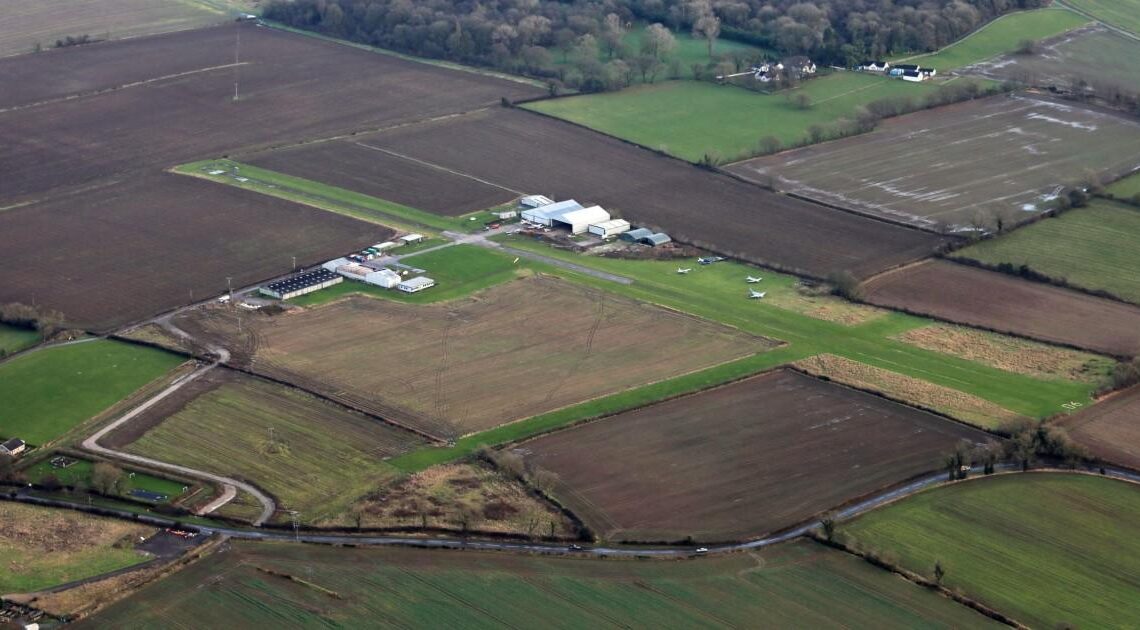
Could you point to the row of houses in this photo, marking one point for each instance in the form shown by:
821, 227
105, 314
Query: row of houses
904, 71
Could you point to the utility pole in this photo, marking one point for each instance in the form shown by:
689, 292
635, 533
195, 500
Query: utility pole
230, 288
294, 264
296, 533
237, 66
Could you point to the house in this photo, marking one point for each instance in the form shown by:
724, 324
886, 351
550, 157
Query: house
797, 66
875, 66
13, 447
927, 72
415, 285
913, 76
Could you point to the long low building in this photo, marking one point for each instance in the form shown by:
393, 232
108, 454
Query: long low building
568, 214
613, 227
380, 277
300, 284
415, 285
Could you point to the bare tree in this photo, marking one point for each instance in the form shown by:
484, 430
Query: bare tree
658, 42
105, 477
707, 27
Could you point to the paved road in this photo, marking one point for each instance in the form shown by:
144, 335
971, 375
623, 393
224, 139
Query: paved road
229, 485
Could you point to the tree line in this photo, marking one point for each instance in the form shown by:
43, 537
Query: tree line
583, 43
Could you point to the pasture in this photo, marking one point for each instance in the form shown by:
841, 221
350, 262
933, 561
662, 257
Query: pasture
14, 339
49, 392
739, 461
312, 456
1109, 429
445, 368
43, 547
42, 22
1126, 188
1046, 549
80, 473
689, 119
1000, 36
1123, 14
1093, 248
988, 299
800, 583
964, 166
649, 189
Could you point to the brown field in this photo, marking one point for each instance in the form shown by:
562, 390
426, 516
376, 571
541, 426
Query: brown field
44, 21
158, 241
510, 352
524, 151
1111, 428
88, 129
350, 165
735, 462
962, 166
976, 297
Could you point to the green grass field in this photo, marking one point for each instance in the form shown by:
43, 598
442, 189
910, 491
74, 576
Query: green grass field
312, 456
1123, 14
689, 119
81, 471
13, 339
1093, 247
1046, 549
1126, 188
796, 585
458, 270
689, 51
50, 391
999, 37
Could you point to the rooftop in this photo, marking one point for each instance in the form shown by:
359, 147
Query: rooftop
302, 280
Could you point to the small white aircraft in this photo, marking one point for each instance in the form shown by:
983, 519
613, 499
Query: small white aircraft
684, 270
756, 295
751, 280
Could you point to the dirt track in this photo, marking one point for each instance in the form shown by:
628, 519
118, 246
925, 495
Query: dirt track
1001, 302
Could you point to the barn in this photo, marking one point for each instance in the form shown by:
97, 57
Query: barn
609, 228
300, 284
380, 277
415, 285
13, 447
567, 214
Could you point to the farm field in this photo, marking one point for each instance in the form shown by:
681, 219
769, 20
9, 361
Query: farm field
1046, 549
1092, 247
443, 368
1127, 188
688, 119
50, 391
800, 583
312, 456
130, 260
964, 166
1124, 14
739, 461
1092, 54
1110, 429
44, 547
43, 22
1000, 36
14, 339
976, 297
649, 189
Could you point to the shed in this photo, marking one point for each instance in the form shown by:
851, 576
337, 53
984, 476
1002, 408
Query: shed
408, 239
386, 245
609, 228
13, 447
542, 215
636, 235
384, 278
415, 285
534, 201
657, 238
300, 284
913, 76
336, 262
507, 214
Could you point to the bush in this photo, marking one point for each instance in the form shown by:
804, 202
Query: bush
845, 285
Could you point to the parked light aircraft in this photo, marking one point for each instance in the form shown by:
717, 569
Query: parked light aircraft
751, 280
756, 295
684, 270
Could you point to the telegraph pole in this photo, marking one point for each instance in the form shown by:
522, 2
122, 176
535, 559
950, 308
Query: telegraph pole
237, 55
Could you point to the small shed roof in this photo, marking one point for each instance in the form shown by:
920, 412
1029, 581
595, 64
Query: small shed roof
13, 444
611, 224
637, 234
534, 201
658, 238
421, 281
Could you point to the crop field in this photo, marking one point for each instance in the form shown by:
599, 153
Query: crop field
444, 368
649, 189
1109, 429
688, 119
963, 166
742, 460
1047, 549
44, 547
13, 339
44, 21
314, 457
354, 165
1092, 247
976, 297
1123, 14
1092, 54
50, 391
1001, 36
147, 104
799, 584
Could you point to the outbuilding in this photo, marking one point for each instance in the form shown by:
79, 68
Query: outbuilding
567, 214
408, 239
13, 447
300, 284
380, 277
535, 201
636, 235
415, 285
606, 229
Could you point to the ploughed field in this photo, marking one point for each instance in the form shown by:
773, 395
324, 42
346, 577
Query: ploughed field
87, 131
527, 152
1005, 303
1111, 428
798, 584
745, 459
960, 166
513, 351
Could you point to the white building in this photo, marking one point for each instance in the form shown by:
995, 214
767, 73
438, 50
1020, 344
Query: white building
415, 285
380, 277
385, 246
408, 239
300, 284
534, 201
332, 265
568, 214
613, 227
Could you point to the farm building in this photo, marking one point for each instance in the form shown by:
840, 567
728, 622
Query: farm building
797, 66
380, 277
300, 284
917, 75
609, 228
333, 264
569, 214
385, 246
899, 69
415, 285
875, 66
535, 201
507, 214
13, 447
408, 239
646, 236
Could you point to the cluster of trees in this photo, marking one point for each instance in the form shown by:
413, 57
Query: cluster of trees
583, 43
47, 322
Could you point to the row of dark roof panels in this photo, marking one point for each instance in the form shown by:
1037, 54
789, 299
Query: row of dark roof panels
302, 280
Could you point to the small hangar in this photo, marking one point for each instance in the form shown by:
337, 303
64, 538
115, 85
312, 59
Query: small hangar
568, 214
